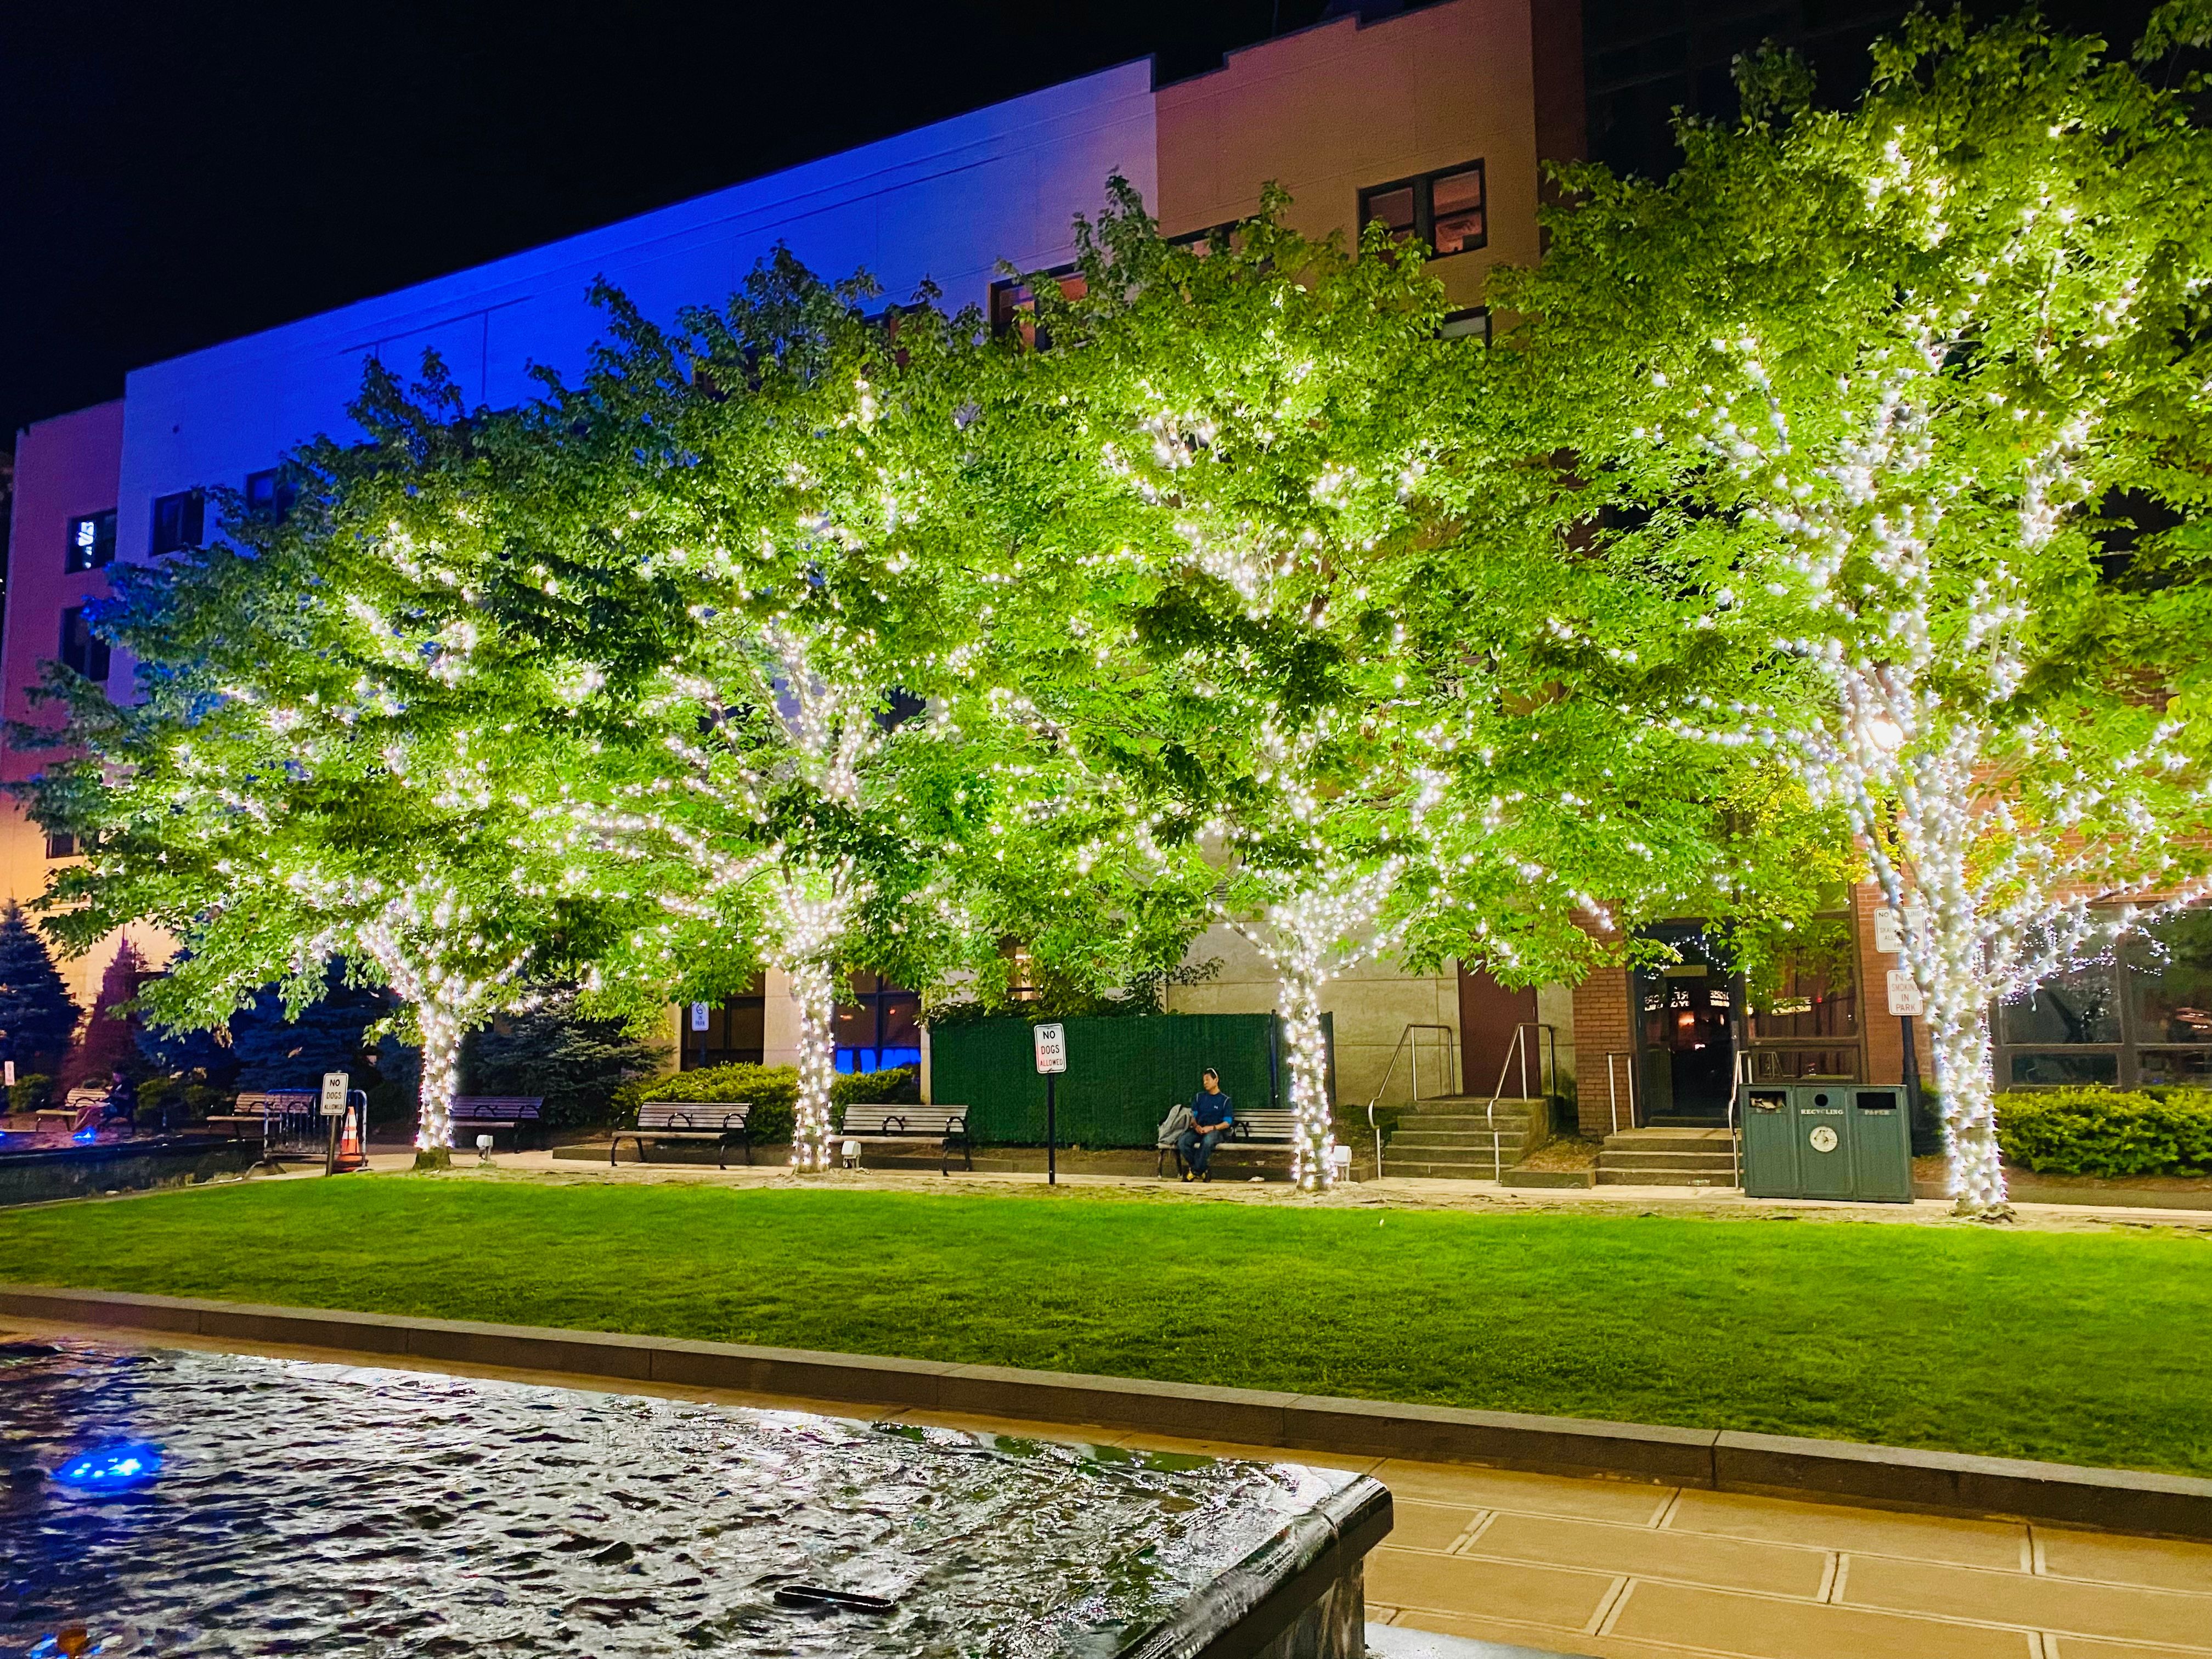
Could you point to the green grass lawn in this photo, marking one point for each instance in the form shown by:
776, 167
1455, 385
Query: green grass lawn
2082, 1347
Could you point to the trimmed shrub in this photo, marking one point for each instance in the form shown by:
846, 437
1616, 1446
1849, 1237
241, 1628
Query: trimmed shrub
2106, 1132
773, 1089
901, 1085
28, 1094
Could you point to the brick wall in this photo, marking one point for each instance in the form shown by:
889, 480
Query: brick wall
1601, 1028
1883, 1034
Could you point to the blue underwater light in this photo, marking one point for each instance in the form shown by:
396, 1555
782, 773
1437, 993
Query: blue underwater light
117, 1466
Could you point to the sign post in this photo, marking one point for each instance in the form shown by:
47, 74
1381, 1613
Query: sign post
1904, 1001
333, 1108
1051, 1061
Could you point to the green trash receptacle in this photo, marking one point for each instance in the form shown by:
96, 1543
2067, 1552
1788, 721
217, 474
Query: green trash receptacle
1881, 1145
1836, 1140
1770, 1145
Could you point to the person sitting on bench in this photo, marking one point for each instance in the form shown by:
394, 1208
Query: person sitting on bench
1211, 1116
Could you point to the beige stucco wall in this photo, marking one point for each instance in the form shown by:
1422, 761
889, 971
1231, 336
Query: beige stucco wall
1369, 1008
1334, 109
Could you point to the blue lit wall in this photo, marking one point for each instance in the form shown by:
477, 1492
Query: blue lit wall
946, 202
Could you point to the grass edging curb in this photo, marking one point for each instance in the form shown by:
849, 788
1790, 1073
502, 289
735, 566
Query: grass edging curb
1835, 1471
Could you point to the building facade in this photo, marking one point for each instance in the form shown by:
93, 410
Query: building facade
1424, 116
1435, 118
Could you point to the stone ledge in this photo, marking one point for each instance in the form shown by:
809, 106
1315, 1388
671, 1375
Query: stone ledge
1834, 1471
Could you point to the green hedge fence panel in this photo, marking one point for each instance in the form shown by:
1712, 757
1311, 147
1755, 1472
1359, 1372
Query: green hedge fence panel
1122, 1074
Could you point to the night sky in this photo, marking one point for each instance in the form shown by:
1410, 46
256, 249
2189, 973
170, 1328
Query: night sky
177, 173
174, 172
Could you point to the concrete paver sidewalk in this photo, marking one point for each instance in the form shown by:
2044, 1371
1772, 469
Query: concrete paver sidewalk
1390, 1192
1620, 1570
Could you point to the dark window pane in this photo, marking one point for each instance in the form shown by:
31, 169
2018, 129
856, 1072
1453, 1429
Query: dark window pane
91, 541
61, 846
1781, 1065
1393, 208
1457, 216
2176, 1068
179, 520
267, 493
2170, 977
1814, 993
2030, 1070
1468, 325
1013, 305
903, 1022
80, 651
2079, 1005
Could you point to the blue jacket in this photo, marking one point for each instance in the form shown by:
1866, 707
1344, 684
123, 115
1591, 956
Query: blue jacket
1210, 1111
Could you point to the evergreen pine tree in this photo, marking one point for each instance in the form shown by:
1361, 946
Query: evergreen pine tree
110, 1042
272, 1052
573, 1062
38, 1016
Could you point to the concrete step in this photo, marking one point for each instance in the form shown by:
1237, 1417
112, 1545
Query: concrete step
1451, 1105
1429, 1169
1425, 1136
1722, 1178
1664, 1159
1465, 1123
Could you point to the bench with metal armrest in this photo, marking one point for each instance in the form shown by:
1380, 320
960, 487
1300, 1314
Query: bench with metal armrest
891, 1126
720, 1122
486, 1114
254, 1110
1270, 1129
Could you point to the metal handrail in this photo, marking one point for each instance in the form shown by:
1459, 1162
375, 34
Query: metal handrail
1391, 1070
1739, 1075
1519, 1047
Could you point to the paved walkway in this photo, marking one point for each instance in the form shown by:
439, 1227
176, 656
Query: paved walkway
1393, 1192
1616, 1570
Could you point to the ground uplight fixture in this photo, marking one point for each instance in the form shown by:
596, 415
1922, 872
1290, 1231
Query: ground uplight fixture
1341, 1155
851, 1150
484, 1149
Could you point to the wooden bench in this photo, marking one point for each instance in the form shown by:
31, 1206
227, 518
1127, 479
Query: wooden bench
719, 1121
489, 1113
255, 1108
1269, 1129
894, 1126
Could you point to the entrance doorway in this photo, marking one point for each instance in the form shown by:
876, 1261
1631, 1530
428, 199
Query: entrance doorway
1685, 1030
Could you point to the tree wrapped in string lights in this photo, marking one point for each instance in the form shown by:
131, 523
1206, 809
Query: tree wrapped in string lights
1900, 412
1226, 441
743, 518
332, 753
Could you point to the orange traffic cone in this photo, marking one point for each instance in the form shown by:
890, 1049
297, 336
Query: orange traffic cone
351, 1155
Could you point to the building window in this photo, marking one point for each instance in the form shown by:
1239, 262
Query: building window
61, 846
1013, 305
1472, 324
179, 520
2141, 1020
80, 650
269, 493
1443, 210
1802, 1018
736, 1032
880, 1028
91, 541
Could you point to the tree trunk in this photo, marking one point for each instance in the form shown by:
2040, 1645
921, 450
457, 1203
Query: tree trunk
1961, 1035
441, 1080
1297, 1000
816, 989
